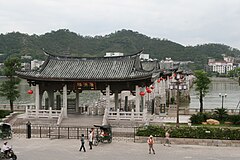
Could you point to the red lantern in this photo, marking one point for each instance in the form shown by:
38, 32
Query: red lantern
158, 80
30, 91
152, 87
142, 93
148, 90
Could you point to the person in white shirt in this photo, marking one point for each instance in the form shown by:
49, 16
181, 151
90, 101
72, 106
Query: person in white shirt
5, 147
90, 139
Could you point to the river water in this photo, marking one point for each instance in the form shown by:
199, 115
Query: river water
211, 100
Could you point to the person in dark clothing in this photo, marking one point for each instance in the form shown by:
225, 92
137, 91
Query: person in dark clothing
82, 144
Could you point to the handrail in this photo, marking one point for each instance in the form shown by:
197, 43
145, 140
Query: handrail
122, 115
34, 113
212, 110
16, 107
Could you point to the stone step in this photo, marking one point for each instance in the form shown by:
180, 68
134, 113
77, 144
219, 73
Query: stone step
125, 123
81, 120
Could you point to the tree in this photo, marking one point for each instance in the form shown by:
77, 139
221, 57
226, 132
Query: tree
202, 85
9, 88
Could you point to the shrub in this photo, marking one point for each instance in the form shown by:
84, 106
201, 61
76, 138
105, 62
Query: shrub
220, 114
192, 132
4, 113
235, 119
200, 117
151, 130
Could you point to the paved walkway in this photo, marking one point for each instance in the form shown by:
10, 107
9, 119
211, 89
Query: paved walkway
67, 149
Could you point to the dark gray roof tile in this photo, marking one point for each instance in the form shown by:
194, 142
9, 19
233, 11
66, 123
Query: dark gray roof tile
102, 68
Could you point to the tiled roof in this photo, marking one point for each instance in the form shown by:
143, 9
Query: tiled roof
62, 68
150, 65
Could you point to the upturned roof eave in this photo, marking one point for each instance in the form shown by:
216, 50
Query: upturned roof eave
86, 79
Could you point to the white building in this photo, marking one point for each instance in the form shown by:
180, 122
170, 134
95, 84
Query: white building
221, 67
36, 64
144, 56
113, 54
166, 64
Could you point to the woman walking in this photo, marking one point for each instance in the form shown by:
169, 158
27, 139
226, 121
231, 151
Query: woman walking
167, 139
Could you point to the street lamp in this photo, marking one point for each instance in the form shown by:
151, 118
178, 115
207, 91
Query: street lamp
222, 96
179, 86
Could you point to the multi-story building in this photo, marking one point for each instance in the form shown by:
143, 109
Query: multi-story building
223, 66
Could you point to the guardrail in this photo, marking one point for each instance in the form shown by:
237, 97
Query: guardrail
196, 110
53, 132
34, 113
120, 115
16, 107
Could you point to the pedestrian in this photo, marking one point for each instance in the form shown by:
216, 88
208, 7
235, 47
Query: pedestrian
150, 142
5, 148
82, 144
167, 139
90, 139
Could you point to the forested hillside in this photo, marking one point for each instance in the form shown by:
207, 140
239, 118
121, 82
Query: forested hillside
66, 42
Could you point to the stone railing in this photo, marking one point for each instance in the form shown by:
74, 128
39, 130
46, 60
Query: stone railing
196, 110
120, 115
16, 107
34, 113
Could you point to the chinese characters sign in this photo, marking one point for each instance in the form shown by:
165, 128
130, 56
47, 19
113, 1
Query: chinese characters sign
86, 85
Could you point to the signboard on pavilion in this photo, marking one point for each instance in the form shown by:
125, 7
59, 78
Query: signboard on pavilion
85, 85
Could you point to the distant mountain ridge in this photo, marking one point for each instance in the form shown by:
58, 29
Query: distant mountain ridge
64, 41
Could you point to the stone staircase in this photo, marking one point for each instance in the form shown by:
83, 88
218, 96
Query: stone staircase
79, 120
125, 123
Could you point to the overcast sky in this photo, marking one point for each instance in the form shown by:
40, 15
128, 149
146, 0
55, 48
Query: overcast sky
188, 22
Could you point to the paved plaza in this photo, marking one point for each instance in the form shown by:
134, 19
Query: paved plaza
119, 149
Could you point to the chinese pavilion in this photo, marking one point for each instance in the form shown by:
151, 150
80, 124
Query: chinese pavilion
110, 75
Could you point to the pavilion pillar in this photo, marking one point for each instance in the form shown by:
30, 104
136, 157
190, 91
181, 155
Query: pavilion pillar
116, 100
144, 100
51, 98
37, 99
58, 100
108, 97
40, 100
77, 101
163, 91
65, 101
137, 99
142, 107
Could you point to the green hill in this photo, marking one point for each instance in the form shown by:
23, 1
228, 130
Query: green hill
64, 41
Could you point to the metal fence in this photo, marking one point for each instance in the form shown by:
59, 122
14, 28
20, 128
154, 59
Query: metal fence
60, 132
52, 132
